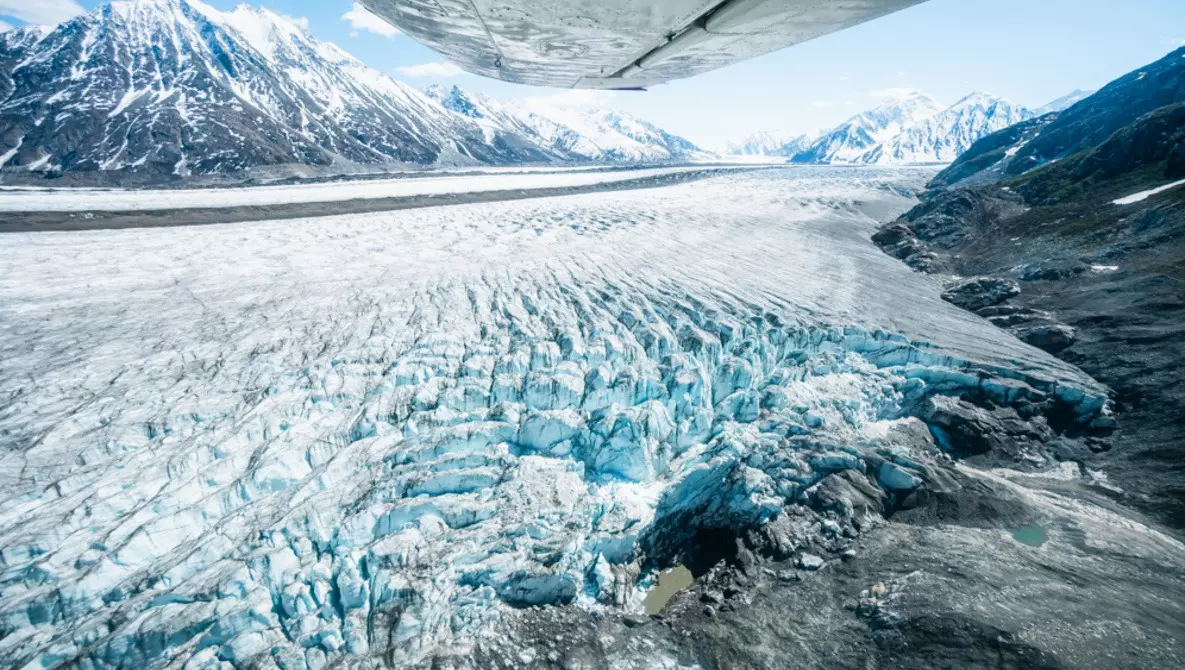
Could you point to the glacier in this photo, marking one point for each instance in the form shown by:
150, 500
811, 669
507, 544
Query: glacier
352, 441
50, 199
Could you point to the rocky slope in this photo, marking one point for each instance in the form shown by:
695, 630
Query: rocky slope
1072, 230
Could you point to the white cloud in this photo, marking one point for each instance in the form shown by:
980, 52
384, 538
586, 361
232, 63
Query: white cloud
361, 18
430, 70
900, 74
41, 12
821, 103
892, 93
5, 26
577, 98
849, 102
845, 78
302, 21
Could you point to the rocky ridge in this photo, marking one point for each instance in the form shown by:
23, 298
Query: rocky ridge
1071, 232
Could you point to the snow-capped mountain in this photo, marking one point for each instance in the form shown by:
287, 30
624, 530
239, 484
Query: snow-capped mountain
771, 144
177, 87
603, 135
503, 123
1065, 102
860, 134
909, 129
596, 135
944, 136
648, 134
172, 88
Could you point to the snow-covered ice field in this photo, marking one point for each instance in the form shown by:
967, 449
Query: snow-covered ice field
18, 199
296, 442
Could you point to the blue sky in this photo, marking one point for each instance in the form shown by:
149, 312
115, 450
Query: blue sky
1030, 51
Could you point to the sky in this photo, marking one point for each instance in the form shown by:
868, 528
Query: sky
1029, 51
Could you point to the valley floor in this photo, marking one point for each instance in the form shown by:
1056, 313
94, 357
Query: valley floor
471, 435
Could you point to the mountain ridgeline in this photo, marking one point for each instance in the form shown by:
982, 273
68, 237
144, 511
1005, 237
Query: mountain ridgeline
1070, 228
912, 128
164, 89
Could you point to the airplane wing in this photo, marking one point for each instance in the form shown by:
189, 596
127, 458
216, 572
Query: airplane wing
616, 44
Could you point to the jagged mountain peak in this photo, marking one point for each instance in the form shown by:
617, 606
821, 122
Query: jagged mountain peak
176, 88
907, 127
468, 103
171, 88
862, 133
901, 109
976, 99
906, 100
942, 137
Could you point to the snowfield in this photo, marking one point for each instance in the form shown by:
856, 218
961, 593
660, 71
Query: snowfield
125, 200
359, 438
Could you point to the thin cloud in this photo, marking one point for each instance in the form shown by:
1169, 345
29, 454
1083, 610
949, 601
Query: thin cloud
362, 19
822, 103
5, 26
42, 12
844, 78
430, 70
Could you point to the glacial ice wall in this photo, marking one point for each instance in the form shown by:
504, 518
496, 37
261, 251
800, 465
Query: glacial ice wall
357, 438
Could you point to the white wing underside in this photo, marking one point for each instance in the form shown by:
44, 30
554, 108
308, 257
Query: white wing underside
616, 44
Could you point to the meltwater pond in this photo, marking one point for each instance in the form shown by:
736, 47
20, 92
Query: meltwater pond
290, 444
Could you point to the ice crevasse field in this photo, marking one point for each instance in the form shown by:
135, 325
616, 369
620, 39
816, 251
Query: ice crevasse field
302, 441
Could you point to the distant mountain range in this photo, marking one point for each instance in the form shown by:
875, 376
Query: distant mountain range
909, 129
162, 89
580, 135
153, 90
771, 144
858, 136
